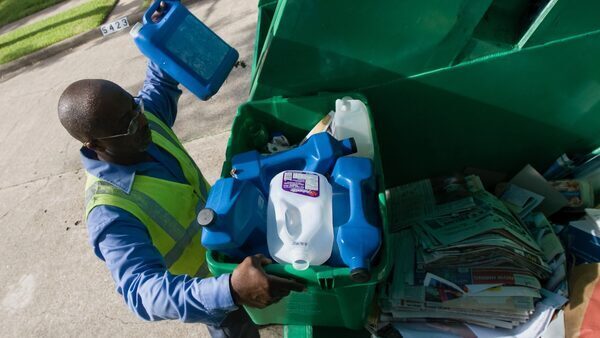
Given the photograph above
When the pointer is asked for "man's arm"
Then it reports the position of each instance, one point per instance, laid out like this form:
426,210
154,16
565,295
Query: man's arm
160,94
154,294
149,290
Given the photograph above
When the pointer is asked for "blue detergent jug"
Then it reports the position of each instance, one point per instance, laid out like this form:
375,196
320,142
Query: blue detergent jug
234,219
185,48
318,155
355,216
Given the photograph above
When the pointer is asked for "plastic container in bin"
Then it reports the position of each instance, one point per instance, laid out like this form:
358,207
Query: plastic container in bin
185,48
331,298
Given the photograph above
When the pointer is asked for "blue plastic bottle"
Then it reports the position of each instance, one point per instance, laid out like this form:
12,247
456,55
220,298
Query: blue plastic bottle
318,154
355,216
234,219
185,48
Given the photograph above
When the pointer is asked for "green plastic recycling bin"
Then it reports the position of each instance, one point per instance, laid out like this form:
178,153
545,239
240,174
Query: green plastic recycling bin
305,47
529,99
491,84
331,298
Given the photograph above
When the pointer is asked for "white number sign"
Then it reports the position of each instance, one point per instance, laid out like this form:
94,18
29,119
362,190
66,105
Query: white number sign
114,26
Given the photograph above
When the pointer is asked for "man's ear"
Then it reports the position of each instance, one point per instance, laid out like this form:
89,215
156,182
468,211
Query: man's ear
93,145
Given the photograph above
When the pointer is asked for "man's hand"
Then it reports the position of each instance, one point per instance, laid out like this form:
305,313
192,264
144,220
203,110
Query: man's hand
251,286
157,15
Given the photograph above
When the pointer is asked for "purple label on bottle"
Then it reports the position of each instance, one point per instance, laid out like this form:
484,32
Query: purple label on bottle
300,182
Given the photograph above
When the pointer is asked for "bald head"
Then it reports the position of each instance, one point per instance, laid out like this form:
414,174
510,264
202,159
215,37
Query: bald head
88,108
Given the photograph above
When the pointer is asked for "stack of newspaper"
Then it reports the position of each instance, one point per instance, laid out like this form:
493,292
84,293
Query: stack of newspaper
461,254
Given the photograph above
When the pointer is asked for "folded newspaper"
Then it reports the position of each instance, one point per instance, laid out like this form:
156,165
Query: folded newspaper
462,254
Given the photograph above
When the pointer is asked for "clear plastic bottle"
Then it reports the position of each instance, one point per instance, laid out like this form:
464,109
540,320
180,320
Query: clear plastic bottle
299,219
351,119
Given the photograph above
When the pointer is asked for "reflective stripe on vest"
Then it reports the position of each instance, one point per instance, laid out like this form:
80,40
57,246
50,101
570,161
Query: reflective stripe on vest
166,138
167,209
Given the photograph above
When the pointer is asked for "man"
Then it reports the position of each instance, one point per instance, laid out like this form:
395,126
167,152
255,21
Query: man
142,195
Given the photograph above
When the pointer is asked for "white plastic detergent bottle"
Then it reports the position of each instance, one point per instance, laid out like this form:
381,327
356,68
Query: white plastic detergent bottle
351,119
300,219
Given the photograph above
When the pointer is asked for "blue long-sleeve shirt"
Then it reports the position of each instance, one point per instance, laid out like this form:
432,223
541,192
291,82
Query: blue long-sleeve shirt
123,242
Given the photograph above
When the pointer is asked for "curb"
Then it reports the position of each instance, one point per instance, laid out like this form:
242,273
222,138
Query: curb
72,42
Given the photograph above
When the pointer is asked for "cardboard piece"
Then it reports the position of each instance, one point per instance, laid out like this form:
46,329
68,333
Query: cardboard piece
528,178
583,311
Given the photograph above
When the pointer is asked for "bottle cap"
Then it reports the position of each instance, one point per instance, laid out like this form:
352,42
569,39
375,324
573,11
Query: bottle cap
206,217
135,30
360,275
300,264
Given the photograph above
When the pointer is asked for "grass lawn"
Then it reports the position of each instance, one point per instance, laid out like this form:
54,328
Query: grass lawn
30,38
13,10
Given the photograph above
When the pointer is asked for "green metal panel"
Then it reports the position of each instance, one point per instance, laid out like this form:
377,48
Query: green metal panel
297,331
307,331
304,47
514,24
266,10
497,113
567,18
330,45
503,27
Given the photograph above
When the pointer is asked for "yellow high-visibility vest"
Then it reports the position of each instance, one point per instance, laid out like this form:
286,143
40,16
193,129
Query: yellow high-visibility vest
167,209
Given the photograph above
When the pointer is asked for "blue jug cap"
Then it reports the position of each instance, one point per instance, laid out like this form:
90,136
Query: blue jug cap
360,275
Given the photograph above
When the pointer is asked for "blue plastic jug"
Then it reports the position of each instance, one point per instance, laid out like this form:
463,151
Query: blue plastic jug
318,155
234,219
355,216
185,48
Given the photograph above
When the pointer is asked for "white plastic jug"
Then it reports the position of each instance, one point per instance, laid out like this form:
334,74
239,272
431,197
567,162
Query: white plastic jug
351,119
300,219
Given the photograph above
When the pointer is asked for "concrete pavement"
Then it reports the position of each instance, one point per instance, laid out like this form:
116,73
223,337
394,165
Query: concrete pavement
51,284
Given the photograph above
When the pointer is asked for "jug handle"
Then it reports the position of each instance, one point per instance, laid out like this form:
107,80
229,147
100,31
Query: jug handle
148,14
284,229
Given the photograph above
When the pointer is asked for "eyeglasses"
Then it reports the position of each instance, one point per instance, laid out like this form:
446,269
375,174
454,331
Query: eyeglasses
134,124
